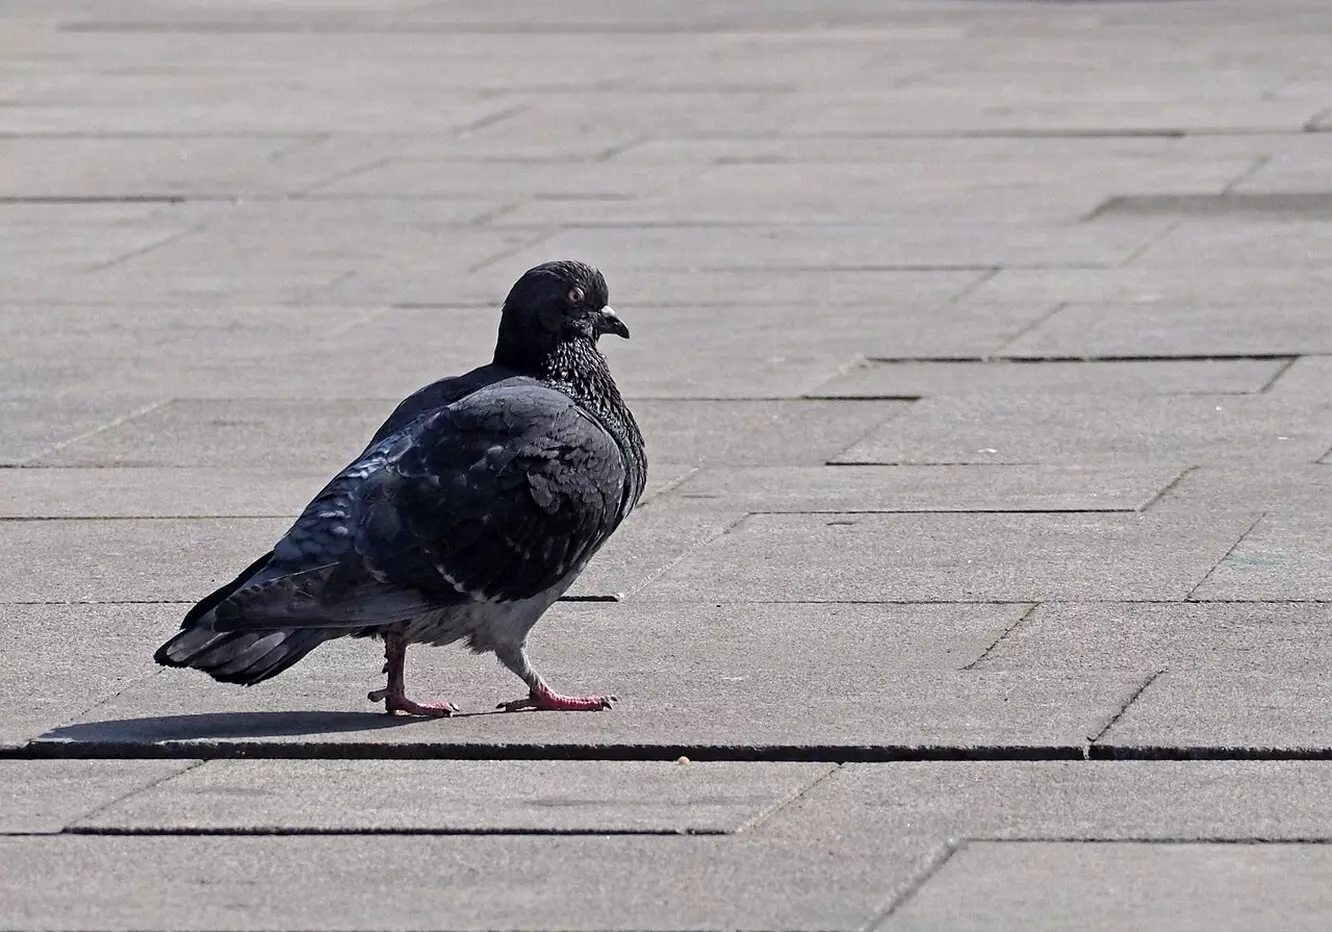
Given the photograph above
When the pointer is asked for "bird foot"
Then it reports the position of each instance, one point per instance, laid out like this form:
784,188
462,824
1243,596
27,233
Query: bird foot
544,700
398,702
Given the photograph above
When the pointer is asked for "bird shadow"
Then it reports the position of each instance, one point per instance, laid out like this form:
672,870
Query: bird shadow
225,725
232,726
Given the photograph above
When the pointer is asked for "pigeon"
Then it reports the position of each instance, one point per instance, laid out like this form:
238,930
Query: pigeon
473,508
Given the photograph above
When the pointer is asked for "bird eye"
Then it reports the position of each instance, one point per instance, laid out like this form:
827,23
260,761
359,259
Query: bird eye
575,296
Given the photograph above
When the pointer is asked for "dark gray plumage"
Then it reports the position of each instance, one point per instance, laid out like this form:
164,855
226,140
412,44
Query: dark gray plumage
474,507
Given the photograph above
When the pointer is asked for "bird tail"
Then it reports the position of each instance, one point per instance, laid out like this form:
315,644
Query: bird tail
245,657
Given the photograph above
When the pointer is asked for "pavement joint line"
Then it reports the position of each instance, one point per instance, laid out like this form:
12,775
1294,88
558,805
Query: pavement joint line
1150,241
1313,123
1167,488
1001,358
38,749
77,438
1257,165
304,192
1207,753
972,286
759,818
1225,556
313,831
144,250
1037,321
931,867
546,234
1157,839
671,486
1025,614
1276,376
1142,688
696,546
165,778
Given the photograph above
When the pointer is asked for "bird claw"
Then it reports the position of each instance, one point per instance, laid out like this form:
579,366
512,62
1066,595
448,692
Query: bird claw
396,702
553,702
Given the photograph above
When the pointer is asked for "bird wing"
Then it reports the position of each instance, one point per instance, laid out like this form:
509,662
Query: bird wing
497,497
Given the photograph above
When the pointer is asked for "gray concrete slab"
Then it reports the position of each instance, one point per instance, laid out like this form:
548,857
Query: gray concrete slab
463,797
37,425
185,492
142,560
833,489
1059,885
1242,242
1247,711
795,432
1283,557
1189,637
1292,490
1172,294
1085,430
47,795
1086,800
139,559
458,882
954,558
322,707
1133,377
840,246
60,661
155,492
1173,328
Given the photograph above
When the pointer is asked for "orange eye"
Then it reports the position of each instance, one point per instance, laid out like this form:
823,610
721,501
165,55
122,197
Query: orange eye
575,296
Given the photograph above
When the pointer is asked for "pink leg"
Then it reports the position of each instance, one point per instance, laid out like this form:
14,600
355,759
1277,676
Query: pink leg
394,696
542,697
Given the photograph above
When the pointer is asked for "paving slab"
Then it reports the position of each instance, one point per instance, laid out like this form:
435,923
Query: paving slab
317,709
954,558
34,425
844,489
877,378
139,559
328,434
1242,242
462,797
1085,800
1191,637
156,492
793,432
265,433
1060,885
1293,490
55,167
937,244
1234,713
1173,328
47,795
1176,293
185,492
60,661
457,882
991,112
1027,429
1282,557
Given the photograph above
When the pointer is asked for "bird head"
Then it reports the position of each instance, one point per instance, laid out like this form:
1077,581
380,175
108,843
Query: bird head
551,304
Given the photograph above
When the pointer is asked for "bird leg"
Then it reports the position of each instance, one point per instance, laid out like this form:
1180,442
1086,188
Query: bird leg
394,696
542,697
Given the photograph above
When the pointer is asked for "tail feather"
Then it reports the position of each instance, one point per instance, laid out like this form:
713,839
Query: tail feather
245,657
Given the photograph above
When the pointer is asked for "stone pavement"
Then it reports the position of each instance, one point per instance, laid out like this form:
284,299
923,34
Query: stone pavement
984,354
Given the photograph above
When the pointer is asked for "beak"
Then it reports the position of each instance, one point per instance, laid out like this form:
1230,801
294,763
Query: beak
609,322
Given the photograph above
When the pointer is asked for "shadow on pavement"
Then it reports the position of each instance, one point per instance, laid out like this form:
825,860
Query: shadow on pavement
223,725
